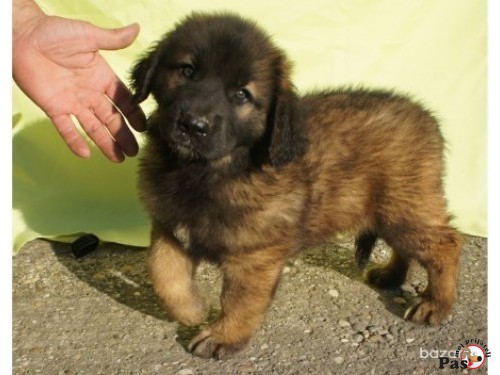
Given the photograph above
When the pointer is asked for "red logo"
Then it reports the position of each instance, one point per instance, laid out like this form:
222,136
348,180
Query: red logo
474,355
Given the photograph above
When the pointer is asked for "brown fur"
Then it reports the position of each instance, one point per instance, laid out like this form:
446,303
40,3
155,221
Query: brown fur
241,171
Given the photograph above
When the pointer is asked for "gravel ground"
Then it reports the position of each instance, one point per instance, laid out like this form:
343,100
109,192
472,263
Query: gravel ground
99,315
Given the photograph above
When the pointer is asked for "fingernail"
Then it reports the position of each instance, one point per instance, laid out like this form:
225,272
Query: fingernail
84,153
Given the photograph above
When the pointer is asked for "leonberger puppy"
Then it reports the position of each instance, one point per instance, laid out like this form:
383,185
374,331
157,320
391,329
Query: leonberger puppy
240,170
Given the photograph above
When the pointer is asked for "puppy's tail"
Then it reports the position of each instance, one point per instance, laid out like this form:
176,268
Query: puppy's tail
365,242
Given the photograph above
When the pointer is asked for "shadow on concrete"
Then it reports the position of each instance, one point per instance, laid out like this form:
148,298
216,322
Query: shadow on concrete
117,271
339,256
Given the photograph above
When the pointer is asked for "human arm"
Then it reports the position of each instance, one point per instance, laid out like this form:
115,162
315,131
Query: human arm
57,64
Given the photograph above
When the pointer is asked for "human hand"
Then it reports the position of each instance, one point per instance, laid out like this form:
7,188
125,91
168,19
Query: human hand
56,62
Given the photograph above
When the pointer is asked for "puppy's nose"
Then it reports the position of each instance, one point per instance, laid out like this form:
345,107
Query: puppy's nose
194,124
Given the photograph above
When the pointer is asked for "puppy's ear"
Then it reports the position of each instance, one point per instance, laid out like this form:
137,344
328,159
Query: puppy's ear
288,134
143,73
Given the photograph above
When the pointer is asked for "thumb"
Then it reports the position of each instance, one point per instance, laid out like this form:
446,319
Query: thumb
111,39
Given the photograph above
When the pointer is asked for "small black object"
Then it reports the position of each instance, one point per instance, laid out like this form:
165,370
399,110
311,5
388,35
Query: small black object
84,245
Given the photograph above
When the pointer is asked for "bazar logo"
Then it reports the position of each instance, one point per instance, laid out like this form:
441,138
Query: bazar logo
470,354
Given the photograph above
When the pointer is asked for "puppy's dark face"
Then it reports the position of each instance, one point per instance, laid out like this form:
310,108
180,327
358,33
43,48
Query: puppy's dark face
218,81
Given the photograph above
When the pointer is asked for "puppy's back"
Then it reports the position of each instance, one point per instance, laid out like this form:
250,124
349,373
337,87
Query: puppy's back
374,153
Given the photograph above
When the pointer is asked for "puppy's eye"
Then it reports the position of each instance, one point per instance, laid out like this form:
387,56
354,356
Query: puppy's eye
187,70
242,95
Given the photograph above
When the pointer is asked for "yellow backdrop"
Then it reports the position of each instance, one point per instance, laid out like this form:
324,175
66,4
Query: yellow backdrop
434,50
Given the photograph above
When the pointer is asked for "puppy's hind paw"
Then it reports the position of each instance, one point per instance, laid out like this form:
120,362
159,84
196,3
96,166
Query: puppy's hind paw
425,311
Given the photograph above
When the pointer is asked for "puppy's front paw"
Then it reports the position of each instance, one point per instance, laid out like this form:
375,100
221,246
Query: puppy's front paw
194,314
425,311
207,344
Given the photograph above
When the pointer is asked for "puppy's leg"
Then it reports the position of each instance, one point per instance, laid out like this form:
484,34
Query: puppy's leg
391,275
171,271
440,257
436,247
249,284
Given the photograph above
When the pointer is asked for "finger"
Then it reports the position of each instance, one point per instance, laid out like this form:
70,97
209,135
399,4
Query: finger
118,92
71,136
108,115
112,39
99,135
